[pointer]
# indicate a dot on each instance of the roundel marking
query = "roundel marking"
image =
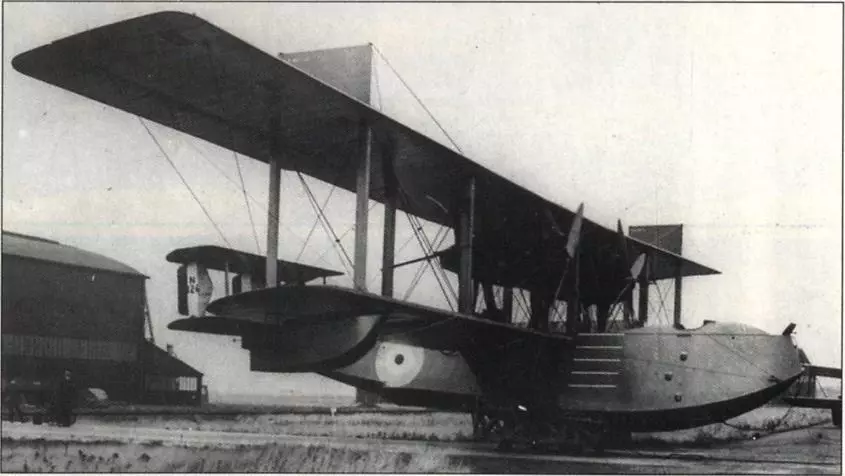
(397, 364)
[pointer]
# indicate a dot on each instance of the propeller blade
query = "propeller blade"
(622, 241)
(638, 266)
(575, 231)
(553, 222)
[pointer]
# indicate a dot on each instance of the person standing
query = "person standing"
(14, 400)
(65, 400)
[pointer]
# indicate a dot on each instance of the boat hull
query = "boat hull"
(649, 379)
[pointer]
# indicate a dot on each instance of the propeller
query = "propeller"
(635, 270)
(574, 235)
(639, 264)
(575, 232)
(572, 240)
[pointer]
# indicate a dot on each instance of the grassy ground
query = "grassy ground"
(43, 456)
(458, 427)
(411, 426)
(762, 421)
(116, 456)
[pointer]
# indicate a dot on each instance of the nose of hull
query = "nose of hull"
(671, 379)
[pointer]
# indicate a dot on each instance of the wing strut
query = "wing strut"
(678, 283)
(362, 189)
(643, 281)
(272, 277)
(466, 225)
(389, 246)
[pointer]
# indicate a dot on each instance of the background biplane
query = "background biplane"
(185, 73)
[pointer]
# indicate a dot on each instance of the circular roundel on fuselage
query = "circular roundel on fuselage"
(397, 364)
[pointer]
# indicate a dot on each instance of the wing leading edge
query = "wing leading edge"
(263, 310)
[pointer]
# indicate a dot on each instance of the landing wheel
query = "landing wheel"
(837, 417)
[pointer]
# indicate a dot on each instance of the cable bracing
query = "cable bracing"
(185, 182)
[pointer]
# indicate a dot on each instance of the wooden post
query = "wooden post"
(362, 190)
(466, 224)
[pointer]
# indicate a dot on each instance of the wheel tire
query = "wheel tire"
(837, 417)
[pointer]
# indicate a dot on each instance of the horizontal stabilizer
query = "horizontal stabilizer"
(241, 262)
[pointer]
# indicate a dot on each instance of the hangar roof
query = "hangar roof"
(160, 362)
(32, 247)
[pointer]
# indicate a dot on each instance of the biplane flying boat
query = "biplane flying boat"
(532, 380)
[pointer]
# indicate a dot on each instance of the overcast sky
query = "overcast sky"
(726, 118)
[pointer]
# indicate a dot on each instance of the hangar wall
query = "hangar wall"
(67, 308)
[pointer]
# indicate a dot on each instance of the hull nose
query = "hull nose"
(684, 378)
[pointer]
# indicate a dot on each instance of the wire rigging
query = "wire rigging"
(184, 182)
(348, 264)
(417, 228)
(214, 67)
(314, 225)
(423, 265)
(417, 98)
(246, 202)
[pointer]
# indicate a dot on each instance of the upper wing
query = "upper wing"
(183, 72)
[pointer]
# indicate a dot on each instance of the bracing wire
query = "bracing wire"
(423, 265)
(324, 221)
(433, 269)
(343, 235)
(429, 249)
(314, 225)
(523, 305)
(420, 269)
(405, 244)
(246, 202)
(662, 310)
(185, 182)
(417, 98)
(213, 66)
(233, 182)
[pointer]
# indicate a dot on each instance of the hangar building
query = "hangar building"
(67, 308)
